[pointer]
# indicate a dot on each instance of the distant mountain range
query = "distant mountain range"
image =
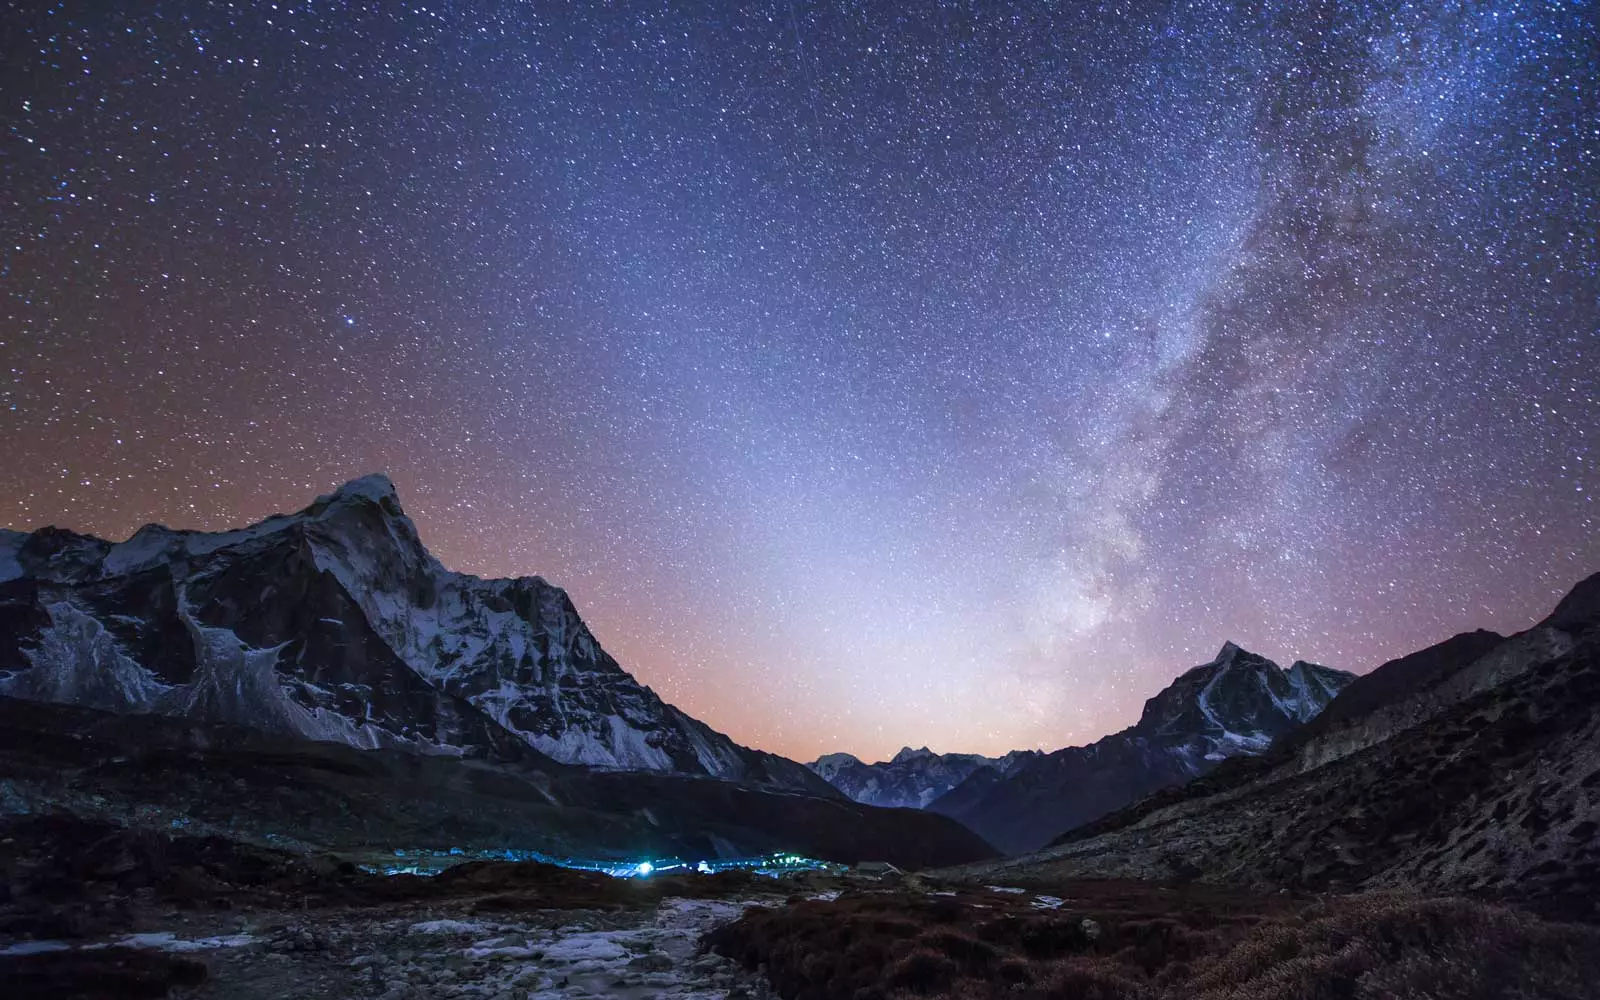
(1470, 766)
(914, 778)
(1237, 704)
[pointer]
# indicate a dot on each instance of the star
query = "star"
(868, 379)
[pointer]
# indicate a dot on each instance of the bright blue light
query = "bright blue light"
(645, 868)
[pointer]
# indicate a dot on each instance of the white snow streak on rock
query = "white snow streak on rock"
(157, 941)
(167, 941)
(447, 927)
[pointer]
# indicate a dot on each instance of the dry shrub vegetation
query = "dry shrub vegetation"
(1153, 943)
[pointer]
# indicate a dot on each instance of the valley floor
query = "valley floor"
(93, 910)
(419, 951)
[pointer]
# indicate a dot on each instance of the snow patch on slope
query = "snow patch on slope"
(78, 661)
(238, 684)
(1246, 741)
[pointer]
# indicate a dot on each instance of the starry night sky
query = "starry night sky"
(870, 374)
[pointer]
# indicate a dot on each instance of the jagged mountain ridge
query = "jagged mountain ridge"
(913, 778)
(336, 623)
(1470, 766)
(1235, 705)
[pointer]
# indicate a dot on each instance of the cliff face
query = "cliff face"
(337, 624)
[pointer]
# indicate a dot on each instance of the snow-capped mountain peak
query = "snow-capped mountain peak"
(375, 487)
(1236, 704)
(914, 778)
(1240, 698)
(907, 754)
(831, 764)
(348, 629)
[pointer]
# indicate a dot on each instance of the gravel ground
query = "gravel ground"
(417, 952)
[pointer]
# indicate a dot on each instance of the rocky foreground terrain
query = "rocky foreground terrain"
(420, 951)
(94, 910)
(1140, 940)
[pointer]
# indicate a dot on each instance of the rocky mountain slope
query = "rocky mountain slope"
(336, 624)
(913, 778)
(1473, 765)
(242, 784)
(1235, 705)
